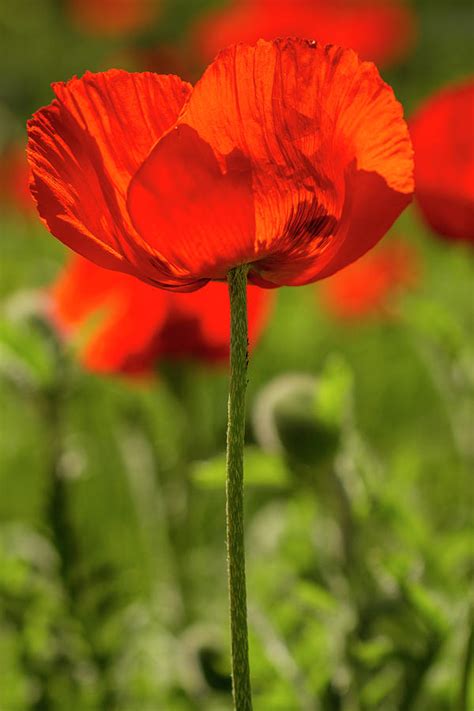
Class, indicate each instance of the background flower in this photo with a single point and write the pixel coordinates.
(112, 17)
(14, 177)
(443, 138)
(129, 327)
(378, 30)
(368, 287)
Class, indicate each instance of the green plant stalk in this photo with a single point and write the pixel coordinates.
(237, 284)
(467, 665)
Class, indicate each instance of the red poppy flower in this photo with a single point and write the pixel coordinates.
(368, 287)
(287, 156)
(14, 179)
(379, 30)
(165, 58)
(112, 17)
(138, 325)
(442, 131)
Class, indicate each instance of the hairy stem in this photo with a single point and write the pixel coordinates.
(237, 283)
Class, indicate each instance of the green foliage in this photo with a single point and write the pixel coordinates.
(359, 492)
(262, 470)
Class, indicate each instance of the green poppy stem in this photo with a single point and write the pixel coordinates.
(237, 283)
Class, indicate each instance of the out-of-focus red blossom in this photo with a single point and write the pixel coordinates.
(368, 287)
(287, 156)
(165, 59)
(442, 131)
(112, 17)
(381, 31)
(14, 179)
(139, 325)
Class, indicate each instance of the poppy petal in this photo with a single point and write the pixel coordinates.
(370, 210)
(303, 124)
(83, 149)
(195, 212)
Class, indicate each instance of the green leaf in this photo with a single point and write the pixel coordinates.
(26, 355)
(334, 391)
(261, 469)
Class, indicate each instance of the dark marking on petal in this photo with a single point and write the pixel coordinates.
(310, 222)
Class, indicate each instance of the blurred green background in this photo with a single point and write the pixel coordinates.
(359, 505)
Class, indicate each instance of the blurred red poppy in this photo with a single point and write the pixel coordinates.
(14, 179)
(442, 131)
(369, 286)
(381, 31)
(112, 17)
(165, 59)
(287, 156)
(133, 326)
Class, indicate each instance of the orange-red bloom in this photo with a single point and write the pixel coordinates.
(129, 326)
(367, 288)
(112, 17)
(287, 156)
(442, 131)
(14, 178)
(379, 30)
